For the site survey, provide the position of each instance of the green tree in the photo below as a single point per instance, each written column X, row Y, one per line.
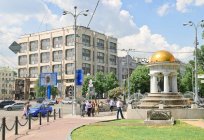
column 185, row 79
column 140, row 80
column 99, row 84
column 86, row 85
column 41, row 90
column 111, row 81
column 102, row 83
column 115, row 92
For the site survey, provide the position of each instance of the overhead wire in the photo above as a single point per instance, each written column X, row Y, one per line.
column 93, row 13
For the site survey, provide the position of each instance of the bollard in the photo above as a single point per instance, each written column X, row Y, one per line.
column 40, row 118
column 3, row 128
column 29, row 121
column 59, row 113
column 16, row 125
column 48, row 114
column 54, row 114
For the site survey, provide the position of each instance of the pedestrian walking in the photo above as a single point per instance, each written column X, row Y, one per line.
column 93, row 108
column 119, row 105
column 83, row 108
column 89, row 107
column 112, row 104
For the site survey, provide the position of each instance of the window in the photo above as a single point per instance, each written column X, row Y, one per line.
column 22, row 60
column 57, row 68
column 113, row 47
column 112, row 59
column 100, row 57
column 23, row 47
column 57, row 56
column 113, row 70
column 86, row 67
column 33, row 46
column 70, row 40
column 22, row 72
column 45, row 44
column 86, row 54
column 100, row 68
column 57, row 42
column 70, row 68
column 100, row 44
column 86, row 41
column 70, row 54
column 45, row 69
column 45, row 57
column 33, row 59
column 33, row 72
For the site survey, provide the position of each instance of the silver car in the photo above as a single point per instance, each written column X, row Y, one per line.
column 15, row 106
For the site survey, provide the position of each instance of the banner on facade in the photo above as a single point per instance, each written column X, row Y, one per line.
column 48, row 79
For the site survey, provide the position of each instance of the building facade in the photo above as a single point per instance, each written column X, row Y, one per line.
column 54, row 51
column 7, row 82
column 125, row 63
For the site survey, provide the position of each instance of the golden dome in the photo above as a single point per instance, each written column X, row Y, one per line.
column 162, row 56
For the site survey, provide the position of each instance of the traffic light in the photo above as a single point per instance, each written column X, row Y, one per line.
column 71, row 90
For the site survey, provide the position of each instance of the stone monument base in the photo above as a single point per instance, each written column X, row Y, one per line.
column 185, row 113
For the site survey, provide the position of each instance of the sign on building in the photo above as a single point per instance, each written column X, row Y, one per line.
column 48, row 79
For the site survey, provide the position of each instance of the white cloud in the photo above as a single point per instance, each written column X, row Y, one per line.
column 163, row 10
column 109, row 18
column 182, row 4
column 144, row 41
column 199, row 2
column 148, row 1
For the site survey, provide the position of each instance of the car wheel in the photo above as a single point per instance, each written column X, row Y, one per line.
column 9, row 108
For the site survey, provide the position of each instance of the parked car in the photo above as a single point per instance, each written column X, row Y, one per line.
column 6, row 102
column 37, row 108
column 49, row 102
column 67, row 101
column 40, row 99
column 15, row 106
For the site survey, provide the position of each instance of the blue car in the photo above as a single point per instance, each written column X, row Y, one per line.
column 43, row 108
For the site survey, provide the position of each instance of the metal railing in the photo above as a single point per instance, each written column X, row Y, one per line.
column 4, row 127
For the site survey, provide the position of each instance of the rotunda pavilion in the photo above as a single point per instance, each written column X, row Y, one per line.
column 163, row 72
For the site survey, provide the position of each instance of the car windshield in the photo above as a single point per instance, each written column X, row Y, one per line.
column 36, row 106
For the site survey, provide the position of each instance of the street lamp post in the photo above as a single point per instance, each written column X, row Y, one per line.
column 75, row 16
column 200, row 24
column 128, row 72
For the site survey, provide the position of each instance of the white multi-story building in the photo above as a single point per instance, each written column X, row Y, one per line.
column 54, row 51
column 7, row 82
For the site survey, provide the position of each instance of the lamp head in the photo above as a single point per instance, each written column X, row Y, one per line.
column 64, row 13
column 185, row 24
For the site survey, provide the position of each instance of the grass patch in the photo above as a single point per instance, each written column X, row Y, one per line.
column 137, row 130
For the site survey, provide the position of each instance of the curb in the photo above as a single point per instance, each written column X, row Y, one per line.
column 70, row 133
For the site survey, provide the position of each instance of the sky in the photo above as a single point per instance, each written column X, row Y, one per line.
column 145, row 26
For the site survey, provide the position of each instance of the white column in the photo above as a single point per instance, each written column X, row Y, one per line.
column 166, row 82
column 174, row 83
column 154, row 88
column 151, row 82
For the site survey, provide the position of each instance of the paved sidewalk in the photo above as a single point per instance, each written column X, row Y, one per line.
column 58, row 129
column 196, row 122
